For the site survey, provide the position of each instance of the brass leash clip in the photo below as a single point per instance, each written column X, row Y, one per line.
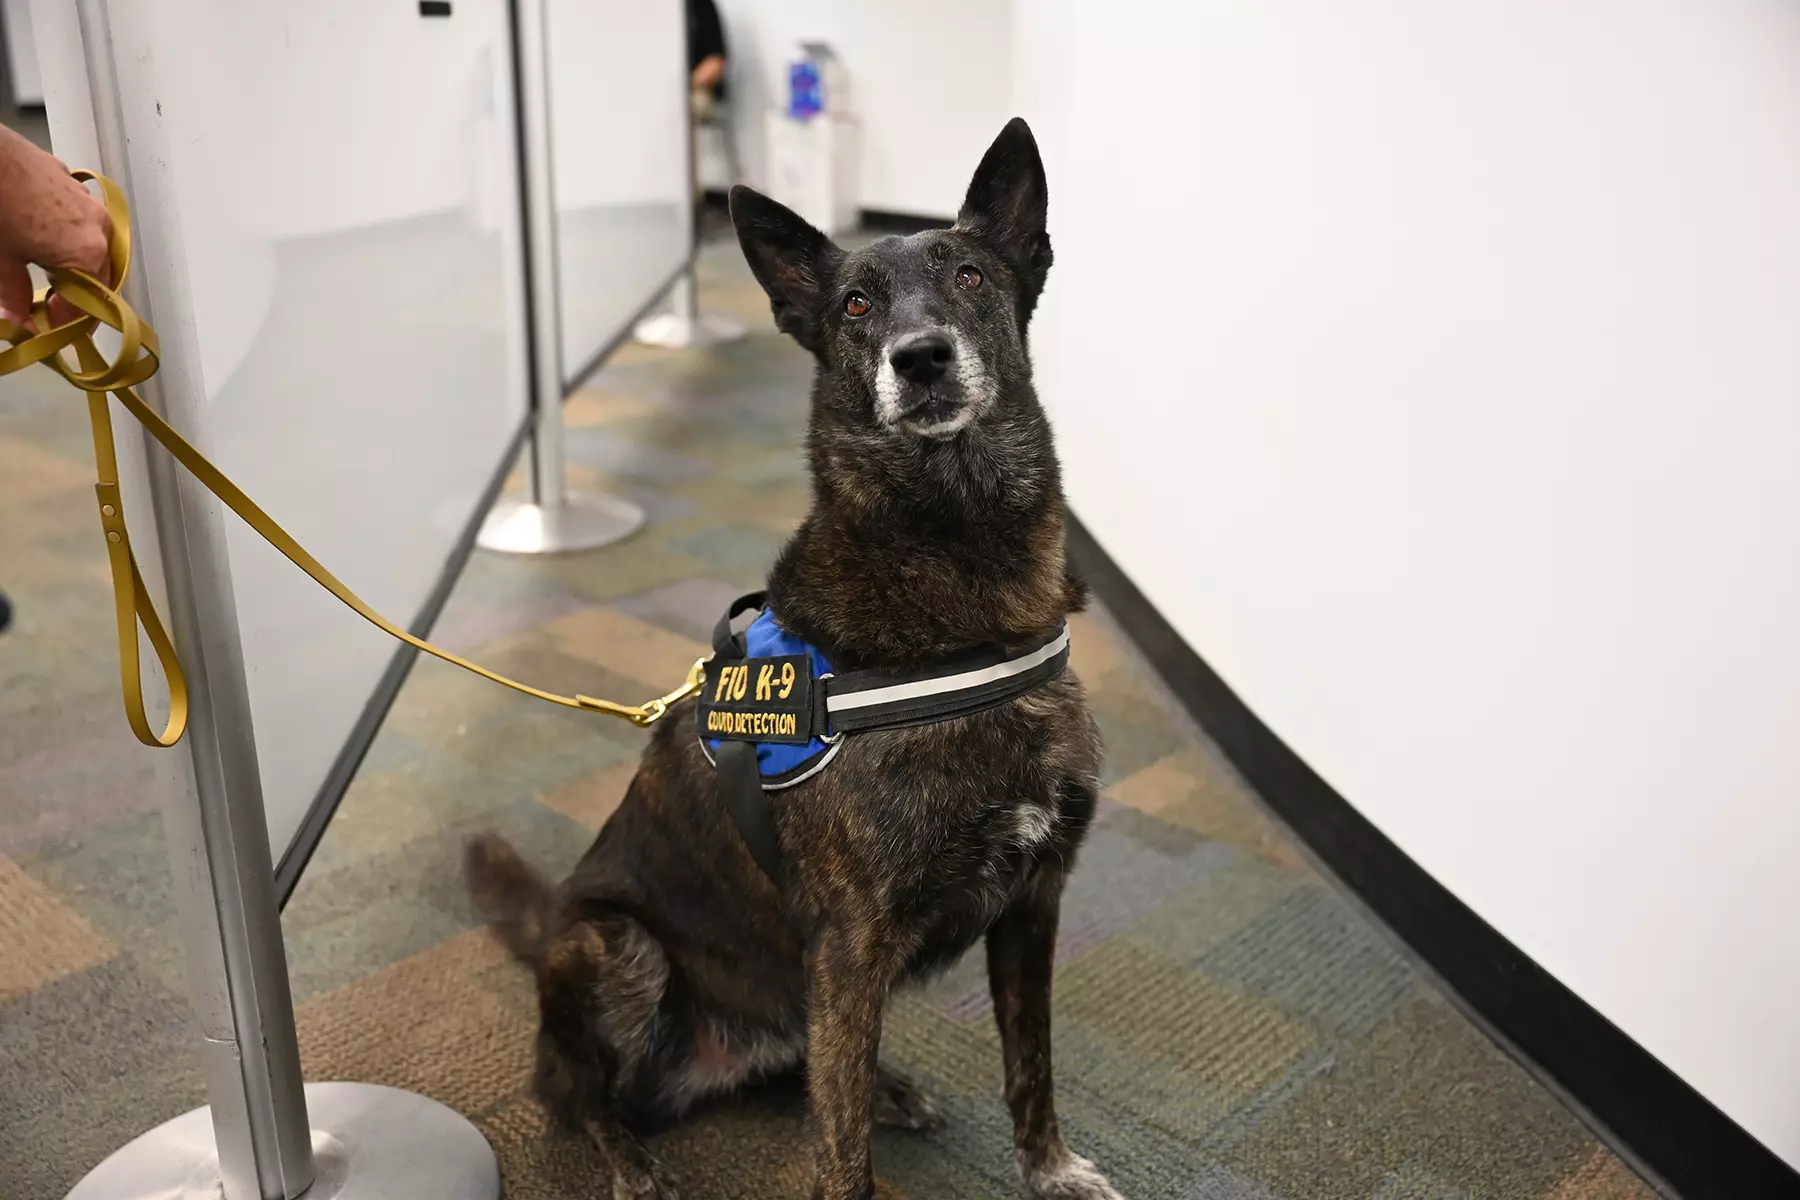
column 651, row 711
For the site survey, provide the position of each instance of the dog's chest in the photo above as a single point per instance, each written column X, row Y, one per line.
column 1026, row 799
column 962, row 904
column 941, row 825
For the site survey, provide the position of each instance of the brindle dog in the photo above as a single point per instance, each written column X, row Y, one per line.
column 669, row 966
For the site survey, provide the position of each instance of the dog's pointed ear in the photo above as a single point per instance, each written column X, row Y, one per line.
column 1008, row 204
column 792, row 260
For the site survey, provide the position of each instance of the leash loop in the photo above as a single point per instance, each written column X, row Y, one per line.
column 99, row 305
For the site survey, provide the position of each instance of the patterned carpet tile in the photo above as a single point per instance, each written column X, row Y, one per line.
column 45, row 939
column 1313, row 958
column 1189, row 790
column 1422, row 1103
column 690, row 607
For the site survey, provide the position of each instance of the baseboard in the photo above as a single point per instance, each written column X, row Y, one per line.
column 1672, row 1133
column 880, row 219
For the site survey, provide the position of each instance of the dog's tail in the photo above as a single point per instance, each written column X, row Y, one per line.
column 514, row 897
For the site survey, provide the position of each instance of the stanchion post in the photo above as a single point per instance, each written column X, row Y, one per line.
column 217, row 832
column 554, row 519
column 684, row 325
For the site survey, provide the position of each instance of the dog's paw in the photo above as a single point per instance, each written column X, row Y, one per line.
column 1069, row 1177
column 903, row 1106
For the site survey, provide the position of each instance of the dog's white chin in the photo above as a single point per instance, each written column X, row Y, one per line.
column 948, row 427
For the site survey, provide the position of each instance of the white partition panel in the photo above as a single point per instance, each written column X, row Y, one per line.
column 619, row 151
column 23, row 79
column 345, row 240
column 1435, row 369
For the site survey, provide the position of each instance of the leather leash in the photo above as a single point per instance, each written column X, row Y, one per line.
column 136, row 361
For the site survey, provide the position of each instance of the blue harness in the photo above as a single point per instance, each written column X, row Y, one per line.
column 780, row 764
column 772, row 712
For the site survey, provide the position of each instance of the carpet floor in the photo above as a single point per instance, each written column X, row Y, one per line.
column 1228, row 1028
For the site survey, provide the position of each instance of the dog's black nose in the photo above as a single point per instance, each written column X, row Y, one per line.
column 923, row 358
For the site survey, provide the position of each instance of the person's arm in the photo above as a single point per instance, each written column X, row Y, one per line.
column 45, row 218
column 710, row 71
column 707, row 47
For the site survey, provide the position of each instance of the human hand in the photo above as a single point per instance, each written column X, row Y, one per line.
column 46, row 218
column 710, row 71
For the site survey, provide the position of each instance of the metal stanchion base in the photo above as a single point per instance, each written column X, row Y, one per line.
column 677, row 331
column 580, row 522
column 369, row 1143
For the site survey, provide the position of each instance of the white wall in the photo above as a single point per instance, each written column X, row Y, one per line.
column 618, row 99
column 26, row 84
column 1434, row 368
column 932, row 82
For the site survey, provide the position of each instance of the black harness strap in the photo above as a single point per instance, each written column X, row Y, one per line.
column 739, row 782
column 740, row 787
column 725, row 643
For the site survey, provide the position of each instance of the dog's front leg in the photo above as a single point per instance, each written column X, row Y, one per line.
column 1021, row 948
column 851, row 972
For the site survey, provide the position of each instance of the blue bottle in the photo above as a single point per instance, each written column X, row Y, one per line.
column 806, row 97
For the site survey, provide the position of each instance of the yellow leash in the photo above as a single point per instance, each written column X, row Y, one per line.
column 136, row 362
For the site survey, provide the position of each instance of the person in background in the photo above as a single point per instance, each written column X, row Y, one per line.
column 49, row 219
column 706, row 56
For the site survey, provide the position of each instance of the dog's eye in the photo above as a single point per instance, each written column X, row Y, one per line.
column 857, row 305
column 968, row 278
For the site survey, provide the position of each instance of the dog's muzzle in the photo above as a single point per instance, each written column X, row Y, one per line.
column 924, row 385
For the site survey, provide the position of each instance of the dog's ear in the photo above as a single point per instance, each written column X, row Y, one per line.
column 792, row 260
column 1008, row 204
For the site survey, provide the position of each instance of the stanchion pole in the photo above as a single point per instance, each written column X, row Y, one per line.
column 264, row 1136
column 684, row 325
column 554, row 519
column 217, row 832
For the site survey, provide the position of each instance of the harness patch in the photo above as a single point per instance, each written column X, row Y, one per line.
column 759, row 700
column 749, row 696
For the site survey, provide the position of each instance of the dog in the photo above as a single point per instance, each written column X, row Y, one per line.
column 670, row 966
